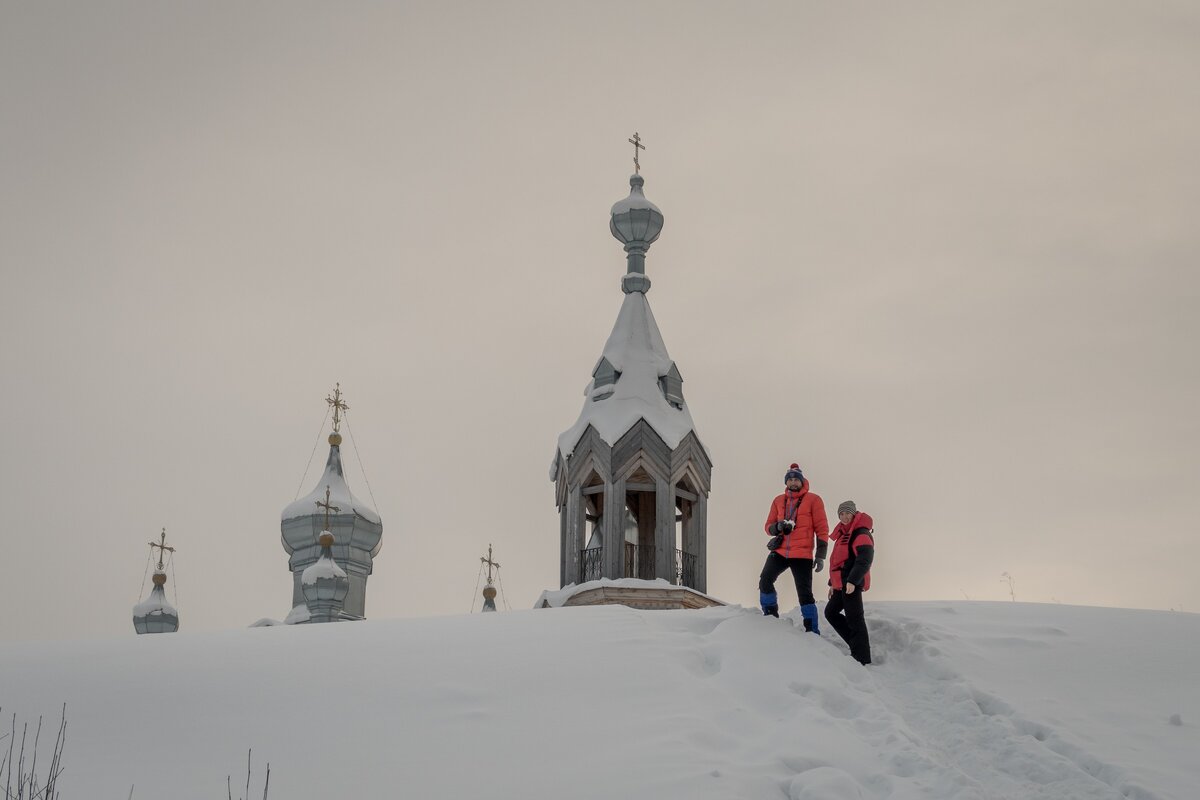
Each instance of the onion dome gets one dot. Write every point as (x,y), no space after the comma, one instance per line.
(155,614)
(636,223)
(489,598)
(356,522)
(489,591)
(325,584)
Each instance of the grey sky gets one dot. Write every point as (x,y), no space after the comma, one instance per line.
(943,255)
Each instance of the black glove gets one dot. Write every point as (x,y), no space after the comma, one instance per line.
(818,565)
(784,526)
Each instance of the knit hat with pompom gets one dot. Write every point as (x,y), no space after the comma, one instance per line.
(794,472)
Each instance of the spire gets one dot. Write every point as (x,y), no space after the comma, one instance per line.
(636,223)
(155,614)
(334,478)
(489,591)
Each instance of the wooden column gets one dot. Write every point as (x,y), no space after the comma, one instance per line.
(614,531)
(695,540)
(574,527)
(664,530)
(646,515)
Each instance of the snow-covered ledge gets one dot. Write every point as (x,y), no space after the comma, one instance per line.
(632,592)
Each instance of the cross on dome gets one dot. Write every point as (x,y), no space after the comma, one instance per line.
(338,405)
(490,564)
(327,507)
(162,547)
(636,141)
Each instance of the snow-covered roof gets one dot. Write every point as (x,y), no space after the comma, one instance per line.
(156,603)
(339,494)
(298,614)
(556,598)
(323,567)
(636,350)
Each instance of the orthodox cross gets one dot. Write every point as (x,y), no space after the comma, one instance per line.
(327,508)
(490,564)
(162,548)
(338,405)
(636,141)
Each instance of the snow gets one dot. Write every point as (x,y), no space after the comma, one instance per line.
(323,567)
(556,598)
(636,201)
(339,494)
(298,614)
(966,701)
(155,603)
(636,350)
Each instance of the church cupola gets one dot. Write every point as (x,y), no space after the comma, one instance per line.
(636,223)
(356,529)
(489,590)
(325,584)
(631,476)
(155,614)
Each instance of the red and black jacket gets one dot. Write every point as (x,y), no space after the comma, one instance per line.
(853,552)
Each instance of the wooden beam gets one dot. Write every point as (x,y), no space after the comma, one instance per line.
(649,487)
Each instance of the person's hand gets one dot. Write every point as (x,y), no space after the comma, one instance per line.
(818,565)
(830,595)
(849,588)
(786,525)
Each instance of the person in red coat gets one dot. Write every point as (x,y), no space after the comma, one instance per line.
(798,516)
(849,577)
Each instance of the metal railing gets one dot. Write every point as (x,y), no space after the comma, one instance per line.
(639,563)
(590,565)
(685,569)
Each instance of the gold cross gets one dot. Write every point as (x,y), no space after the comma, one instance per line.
(327,508)
(636,141)
(162,547)
(338,405)
(490,563)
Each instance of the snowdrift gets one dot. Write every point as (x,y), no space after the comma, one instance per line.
(967,700)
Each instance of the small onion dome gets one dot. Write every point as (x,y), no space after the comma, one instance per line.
(155,614)
(489,598)
(335,439)
(324,584)
(636,222)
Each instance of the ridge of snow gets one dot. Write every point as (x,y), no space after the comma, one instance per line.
(966,701)
(339,494)
(636,349)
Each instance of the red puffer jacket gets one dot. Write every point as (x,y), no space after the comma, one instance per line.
(845,563)
(808,512)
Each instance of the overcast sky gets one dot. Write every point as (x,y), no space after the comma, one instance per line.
(944,255)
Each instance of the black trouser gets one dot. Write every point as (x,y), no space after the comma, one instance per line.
(852,626)
(801,570)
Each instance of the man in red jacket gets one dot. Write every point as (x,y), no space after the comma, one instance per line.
(849,577)
(797,515)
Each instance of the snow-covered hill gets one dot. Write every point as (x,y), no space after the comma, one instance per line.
(967,700)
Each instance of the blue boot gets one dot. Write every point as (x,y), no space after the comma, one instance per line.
(769,603)
(810,618)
